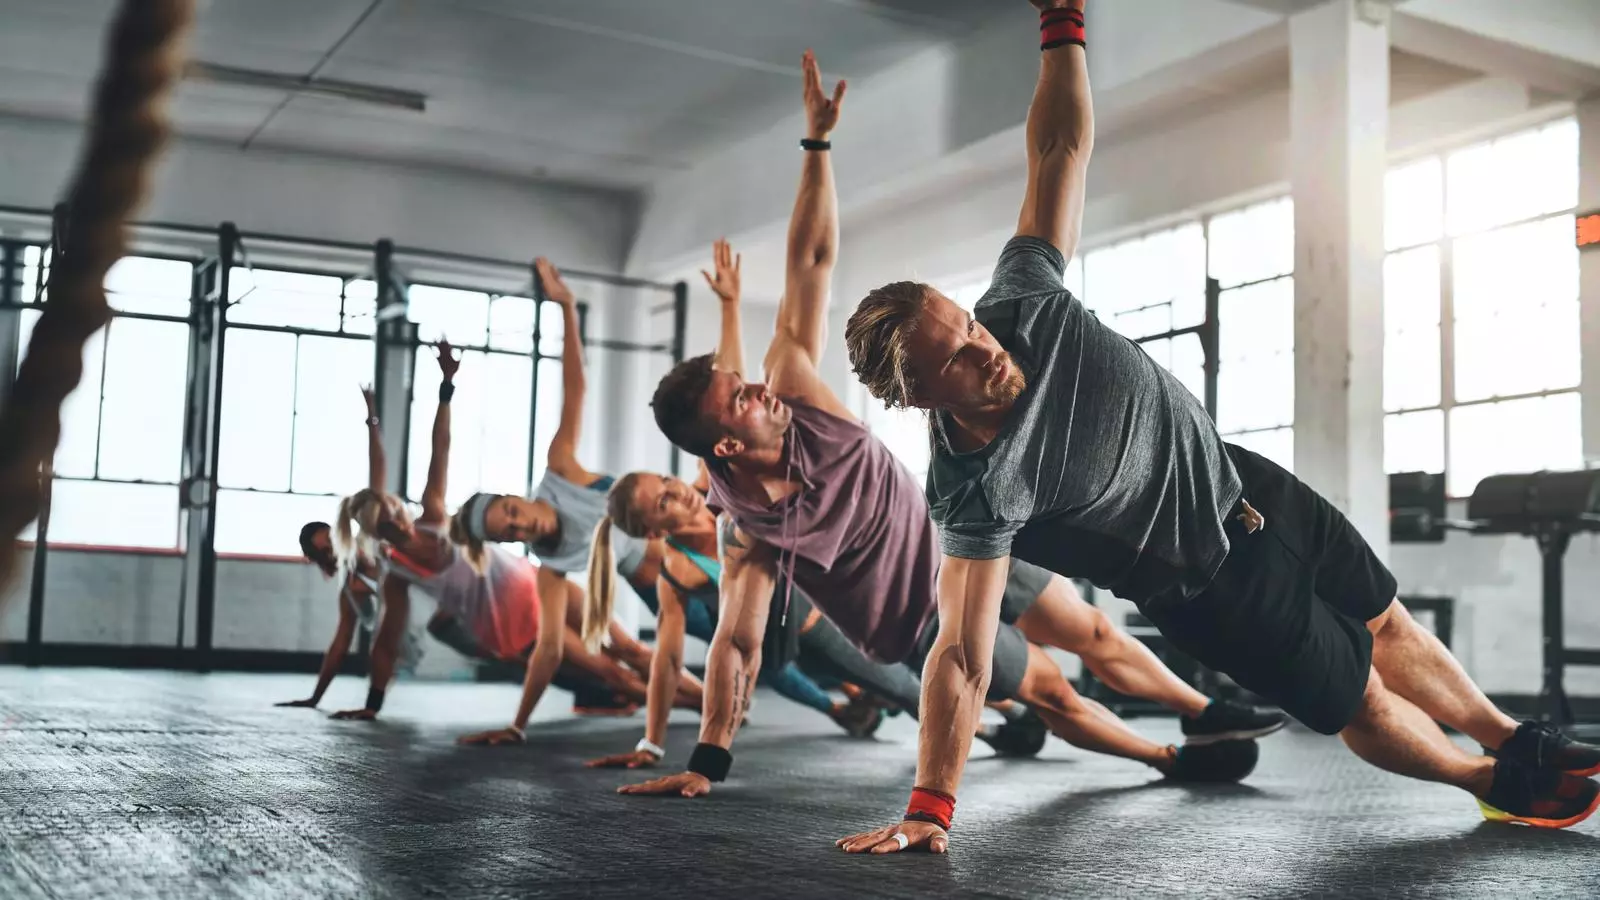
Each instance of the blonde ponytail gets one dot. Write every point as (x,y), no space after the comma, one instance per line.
(602,594)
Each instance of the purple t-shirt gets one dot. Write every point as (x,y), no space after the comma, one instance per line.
(857,533)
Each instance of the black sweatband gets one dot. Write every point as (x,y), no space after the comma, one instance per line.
(930,818)
(375,699)
(711,761)
(446,391)
(809,144)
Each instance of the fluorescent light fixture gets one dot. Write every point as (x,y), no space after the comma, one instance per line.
(299,84)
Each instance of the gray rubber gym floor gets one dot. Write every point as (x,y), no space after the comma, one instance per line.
(130,784)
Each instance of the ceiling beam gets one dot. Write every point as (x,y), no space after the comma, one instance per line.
(1562,77)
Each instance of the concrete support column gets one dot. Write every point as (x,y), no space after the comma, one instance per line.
(1589,277)
(1339,115)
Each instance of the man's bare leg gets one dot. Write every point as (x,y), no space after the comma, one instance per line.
(1074,719)
(1060,618)
(1393,734)
(1416,665)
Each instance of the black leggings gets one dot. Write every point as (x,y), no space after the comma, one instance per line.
(586,689)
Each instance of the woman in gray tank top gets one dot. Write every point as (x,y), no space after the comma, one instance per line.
(558,522)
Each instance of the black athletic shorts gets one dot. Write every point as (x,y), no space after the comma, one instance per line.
(1024,583)
(1286,615)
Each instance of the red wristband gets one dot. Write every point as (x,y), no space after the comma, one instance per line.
(929,805)
(1059,27)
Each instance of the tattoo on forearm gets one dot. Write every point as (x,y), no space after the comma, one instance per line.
(743,684)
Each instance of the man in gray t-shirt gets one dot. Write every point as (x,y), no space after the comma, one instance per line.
(1106,450)
(1060,442)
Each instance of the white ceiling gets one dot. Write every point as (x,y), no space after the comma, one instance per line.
(610,93)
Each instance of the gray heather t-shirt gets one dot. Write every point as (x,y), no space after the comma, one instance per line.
(1108,468)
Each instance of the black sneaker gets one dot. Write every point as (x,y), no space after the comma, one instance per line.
(1223,761)
(1542,798)
(1024,737)
(858,719)
(1543,746)
(1225,720)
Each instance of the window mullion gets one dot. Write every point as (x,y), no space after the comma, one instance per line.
(1447,338)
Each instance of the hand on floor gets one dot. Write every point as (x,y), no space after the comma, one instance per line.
(298,704)
(912,836)
(633,759)
(493,738)
(685,784)
(362,715)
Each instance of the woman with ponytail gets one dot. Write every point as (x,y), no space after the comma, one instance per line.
(488,602)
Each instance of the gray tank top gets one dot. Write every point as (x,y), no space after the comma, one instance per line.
(856,536)
(578,508)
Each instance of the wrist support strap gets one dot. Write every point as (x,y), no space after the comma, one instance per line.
(929,805)
(809,144)
(1059,27)
(646,745)
(446,391)
(375,699)
(711,761)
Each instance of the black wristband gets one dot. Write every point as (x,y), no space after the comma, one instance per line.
(809,144)
(375,699)
(711,761)
(446,391)
(930,818)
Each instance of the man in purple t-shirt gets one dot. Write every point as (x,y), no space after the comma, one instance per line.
(810,496)
(1060,442)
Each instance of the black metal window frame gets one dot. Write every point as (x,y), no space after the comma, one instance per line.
(208,323)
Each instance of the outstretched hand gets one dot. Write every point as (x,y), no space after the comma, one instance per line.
(633,759)
(726,282)
(822,113)
(448,361)
(917,836)
(493,738)
(371,396)
(298,704)
(683,784)
(550,278)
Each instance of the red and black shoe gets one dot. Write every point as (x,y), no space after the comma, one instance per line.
(1541,798)
(1541,745)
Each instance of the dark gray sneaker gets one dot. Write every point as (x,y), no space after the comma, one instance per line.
(1225,720)
(1224,761)
(1024,737)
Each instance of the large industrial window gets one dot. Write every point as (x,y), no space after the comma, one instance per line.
(293,433)
(121,451)
(1481,309)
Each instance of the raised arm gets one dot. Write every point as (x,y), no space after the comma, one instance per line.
(385,646)
(1060,133)
(377,462)
(725,284)
(439,463)
(333,657)
(732,663)
(548,650)
(562,456)
(955,680)
(666,670)
(813,240)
